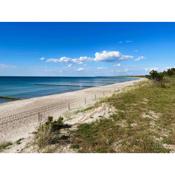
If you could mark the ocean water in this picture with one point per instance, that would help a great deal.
(28, 87)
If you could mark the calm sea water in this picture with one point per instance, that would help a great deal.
(27, 87)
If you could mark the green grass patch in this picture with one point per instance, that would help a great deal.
(143, 123)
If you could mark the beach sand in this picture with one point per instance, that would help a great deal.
(18, 119)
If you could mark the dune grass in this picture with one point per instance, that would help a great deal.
(144, 122)
(4, 145)
(50, 135)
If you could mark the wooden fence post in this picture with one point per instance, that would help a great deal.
(85, 100)
(68, 105)
(39, 117)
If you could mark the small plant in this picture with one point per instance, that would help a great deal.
(18, 142)
(4, 145)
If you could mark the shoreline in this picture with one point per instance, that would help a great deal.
(40, 99)
(14, 99)
(21, 117)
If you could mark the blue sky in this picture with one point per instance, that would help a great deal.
(85, 49)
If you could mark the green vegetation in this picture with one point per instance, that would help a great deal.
(144, 121)
(49, 134)
(18, 142)
(160, 77)
(4, 146)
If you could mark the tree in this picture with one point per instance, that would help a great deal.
(170, 72)
(153, 74)
(158, 77)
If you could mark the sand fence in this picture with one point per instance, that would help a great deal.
(19, 125)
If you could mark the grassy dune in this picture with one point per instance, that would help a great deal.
(144, 121)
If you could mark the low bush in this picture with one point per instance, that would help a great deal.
(160, 77)
(50, 133)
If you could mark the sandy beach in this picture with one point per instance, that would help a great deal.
(19, 118)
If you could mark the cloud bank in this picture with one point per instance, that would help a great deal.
(104, 56)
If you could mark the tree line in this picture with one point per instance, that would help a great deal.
(160, 76)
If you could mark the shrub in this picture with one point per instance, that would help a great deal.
(158, 77)
(49, 133)
(170, 72)
(153, 74)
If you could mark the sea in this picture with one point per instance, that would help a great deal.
(12, 88)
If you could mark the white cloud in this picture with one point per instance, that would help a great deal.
(126, 57)
(107, 56)
(157, 69)
(118, 65)
(111, 56)
(64, 60)
(59, 60)
(69, 65)
(81, 60)
(104, 56)
(42, 58)
(139, 58)
(150, 69)
(80, 69)
(54, 60)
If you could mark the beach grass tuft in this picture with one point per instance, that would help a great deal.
(4, 145)
(50, 135)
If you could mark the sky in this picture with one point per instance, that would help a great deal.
(85, 49)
